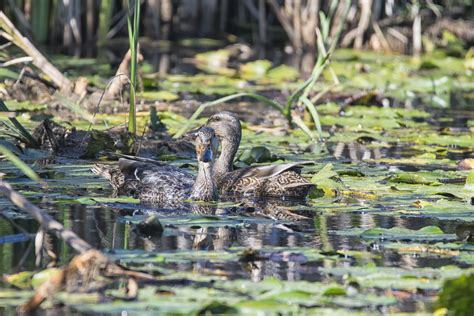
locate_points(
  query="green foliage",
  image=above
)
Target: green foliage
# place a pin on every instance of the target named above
(105, 15)
(99, 141)
(410, 178)
(30, 173)
(457, 295)
(258, 69)
(327, 182)
(429, 233)
(470, 181)
(255, 70)
(39, 20)
(133, 33)
(18, 128)
(256, 155)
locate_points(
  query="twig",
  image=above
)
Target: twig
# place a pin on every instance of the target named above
(363, 22)
(48, 224)
(11, 33)
(15, 61)
(82, 269)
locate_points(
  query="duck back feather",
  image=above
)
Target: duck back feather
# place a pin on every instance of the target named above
(267, 181)
(153, 183)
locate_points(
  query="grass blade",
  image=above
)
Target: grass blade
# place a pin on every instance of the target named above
(133, 33)
(299, 122)
(314, 113)
(25, 134)
(203, 106)
(30, 173)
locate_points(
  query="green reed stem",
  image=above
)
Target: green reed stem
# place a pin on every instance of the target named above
(133, 32)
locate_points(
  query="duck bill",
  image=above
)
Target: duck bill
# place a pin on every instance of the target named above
(205, 154)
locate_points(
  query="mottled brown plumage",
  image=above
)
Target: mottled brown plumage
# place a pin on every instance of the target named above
(157, 183)
(261, 181)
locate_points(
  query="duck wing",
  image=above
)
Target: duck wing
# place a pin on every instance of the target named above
(155, 183)
(264, 172)
(283, 180)
(114, 174)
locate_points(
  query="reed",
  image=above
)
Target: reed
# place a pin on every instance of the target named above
(17, 162)
(39, 20)
(326, 47)
(105, 14)
(20, 132)
(133, 32)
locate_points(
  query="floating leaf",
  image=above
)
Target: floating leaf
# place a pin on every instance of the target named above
(411, 178)
(255, 70)
(396, 233)
(43, 276)
(256, 154)
(470, 181)
(96, 200)
(20, 280)
(283, 73)
(163, 95)
(335, 291)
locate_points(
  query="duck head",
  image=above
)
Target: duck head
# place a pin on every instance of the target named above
(206, 144)
(226, 126)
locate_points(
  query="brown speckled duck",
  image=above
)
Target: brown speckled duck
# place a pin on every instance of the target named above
(158, 183)
(282, 180)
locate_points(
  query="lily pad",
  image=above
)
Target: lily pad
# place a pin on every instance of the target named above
(255, 70)
(432, 233)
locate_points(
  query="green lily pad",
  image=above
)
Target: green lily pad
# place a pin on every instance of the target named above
(255, 70)
(470, 181)
(432, 233)
(163, 95)
(411, 178)
(97, 200)
(256, 154)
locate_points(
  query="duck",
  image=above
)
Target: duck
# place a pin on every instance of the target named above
(157, 183)
(282, 180)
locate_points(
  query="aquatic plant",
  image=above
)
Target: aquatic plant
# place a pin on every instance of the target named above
(20, 131)
(17, 162)
(300, 95)
(133, 32)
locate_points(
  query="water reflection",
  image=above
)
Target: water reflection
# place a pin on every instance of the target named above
(104, 227)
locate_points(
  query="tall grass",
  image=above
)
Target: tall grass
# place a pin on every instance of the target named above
(24, 135)
(15, 126)
(40, 19)
(133, 32)
(326, 47)
(105, 14)
(17, 162)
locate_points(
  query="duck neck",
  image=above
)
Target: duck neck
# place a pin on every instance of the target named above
(204, 188)
(224, 163)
